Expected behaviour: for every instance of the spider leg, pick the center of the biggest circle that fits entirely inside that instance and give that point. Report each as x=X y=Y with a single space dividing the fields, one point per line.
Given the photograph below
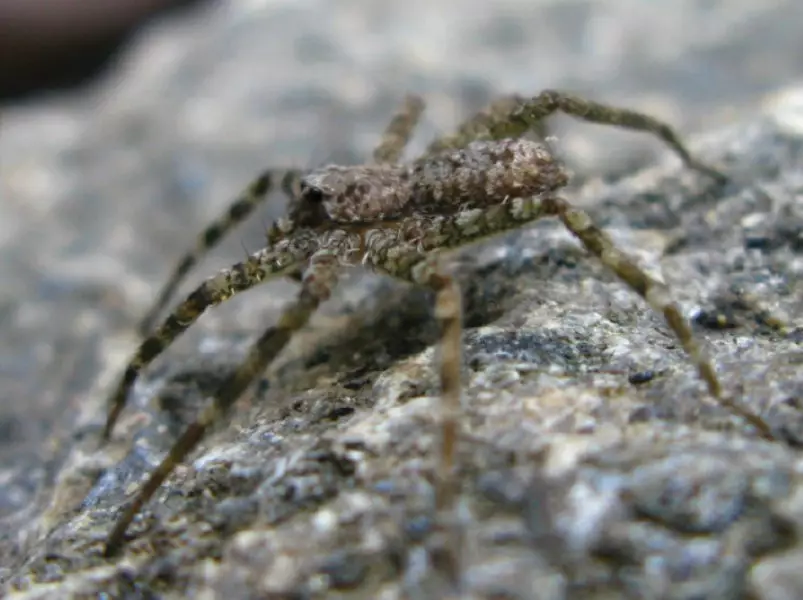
x=400 y=253
x=657 y=295
x=403 y=252
x=478 y=125
x=399 y=130
x=235 y=213
x=319 y=279
x=517 y=115
x=449 y=314
x=258 y=268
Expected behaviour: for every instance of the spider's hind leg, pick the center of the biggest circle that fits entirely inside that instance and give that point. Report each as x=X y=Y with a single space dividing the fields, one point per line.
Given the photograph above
x=319 y=279
x=239 y=209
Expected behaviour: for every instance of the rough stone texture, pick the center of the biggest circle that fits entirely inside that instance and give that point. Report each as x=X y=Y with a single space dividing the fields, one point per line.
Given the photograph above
x=593 y=464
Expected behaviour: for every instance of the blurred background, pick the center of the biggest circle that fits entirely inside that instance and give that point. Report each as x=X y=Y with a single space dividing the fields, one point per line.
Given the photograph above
x=125 y=126
x=46 y=46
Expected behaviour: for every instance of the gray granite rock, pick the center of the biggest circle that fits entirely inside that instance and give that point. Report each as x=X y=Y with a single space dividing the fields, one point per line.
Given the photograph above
x=593 y=463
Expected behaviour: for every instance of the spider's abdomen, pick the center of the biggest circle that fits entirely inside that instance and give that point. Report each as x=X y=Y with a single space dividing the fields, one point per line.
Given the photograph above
x=484 y=173
x=358 y=194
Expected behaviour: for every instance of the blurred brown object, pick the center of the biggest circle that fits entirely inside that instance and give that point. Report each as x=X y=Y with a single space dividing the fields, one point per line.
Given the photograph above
x=48 y=45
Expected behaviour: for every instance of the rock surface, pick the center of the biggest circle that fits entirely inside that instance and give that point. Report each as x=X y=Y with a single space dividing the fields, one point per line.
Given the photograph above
x=593 y=463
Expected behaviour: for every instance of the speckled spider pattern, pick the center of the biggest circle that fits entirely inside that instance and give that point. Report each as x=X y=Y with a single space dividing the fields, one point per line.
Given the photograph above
x=396 y=218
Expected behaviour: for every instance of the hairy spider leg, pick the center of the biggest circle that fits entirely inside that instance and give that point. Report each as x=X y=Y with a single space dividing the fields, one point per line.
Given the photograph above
x=476 y=127
x=242 y=206
x=399 y=131
x=260 y=267
x=513 y=116
x=449 y=314
x=319 y=278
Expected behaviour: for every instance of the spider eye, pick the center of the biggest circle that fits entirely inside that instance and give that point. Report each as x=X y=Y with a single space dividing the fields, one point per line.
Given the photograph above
x=311 y=193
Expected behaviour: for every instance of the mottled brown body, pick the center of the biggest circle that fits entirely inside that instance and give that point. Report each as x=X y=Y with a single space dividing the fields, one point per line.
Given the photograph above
x=395 y=218
x=483 y=174
x=479 y=175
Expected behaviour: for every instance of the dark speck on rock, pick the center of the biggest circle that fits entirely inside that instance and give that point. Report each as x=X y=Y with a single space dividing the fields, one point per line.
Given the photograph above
x=417 y=527
x=541 y=348
x=502 y=487
x=339 y=412
x=642 y=414
x=641 y=377
x=345 y=570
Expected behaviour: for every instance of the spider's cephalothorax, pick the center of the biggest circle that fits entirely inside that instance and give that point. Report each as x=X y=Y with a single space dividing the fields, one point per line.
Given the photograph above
x=395 y=218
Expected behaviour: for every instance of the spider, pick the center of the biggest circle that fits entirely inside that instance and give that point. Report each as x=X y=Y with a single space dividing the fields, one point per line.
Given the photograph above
x=395 y=218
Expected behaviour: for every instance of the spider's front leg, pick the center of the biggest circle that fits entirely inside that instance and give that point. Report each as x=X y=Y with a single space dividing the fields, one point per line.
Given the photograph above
x=239 y=209
x=258 y=268
x=514 y=116
x=319 y=278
